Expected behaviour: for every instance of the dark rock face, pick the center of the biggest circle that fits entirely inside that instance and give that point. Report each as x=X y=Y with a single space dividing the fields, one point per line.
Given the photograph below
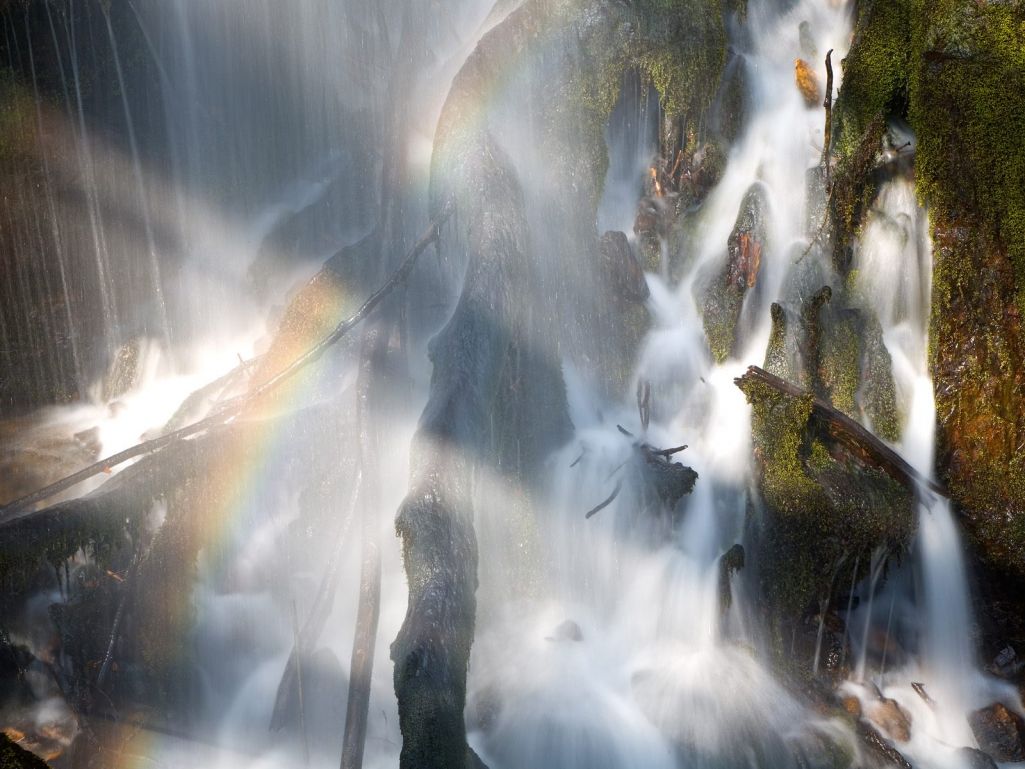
x=953 y=72
x=978 y=364
x=999 y=732
x=567 y=630
x=12 y=756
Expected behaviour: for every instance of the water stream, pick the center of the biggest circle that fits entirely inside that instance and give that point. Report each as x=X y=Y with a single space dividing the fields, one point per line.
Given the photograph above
x=613 y=647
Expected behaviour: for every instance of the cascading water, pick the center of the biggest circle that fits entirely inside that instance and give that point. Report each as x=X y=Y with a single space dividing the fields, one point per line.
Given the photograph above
x=894 y=265
x=628 y=656
x=620 y=640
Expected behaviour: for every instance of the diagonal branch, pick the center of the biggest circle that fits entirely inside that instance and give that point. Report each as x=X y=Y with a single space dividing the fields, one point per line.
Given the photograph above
x=235 y=406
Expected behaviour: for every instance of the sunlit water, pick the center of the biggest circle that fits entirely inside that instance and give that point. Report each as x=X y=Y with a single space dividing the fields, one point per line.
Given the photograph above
x=620 y=656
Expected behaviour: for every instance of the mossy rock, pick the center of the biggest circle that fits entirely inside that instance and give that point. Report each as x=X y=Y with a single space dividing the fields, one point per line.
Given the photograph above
x=956 y=72
x=723 y=299
x=13 y=756
x=822 y=504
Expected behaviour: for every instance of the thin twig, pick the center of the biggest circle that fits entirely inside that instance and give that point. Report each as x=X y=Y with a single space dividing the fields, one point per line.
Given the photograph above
x=607 y=502
x=828 y=104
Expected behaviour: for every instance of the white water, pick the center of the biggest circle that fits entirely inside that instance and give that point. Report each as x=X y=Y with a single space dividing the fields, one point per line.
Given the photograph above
x=663 y=676
x=895 y=266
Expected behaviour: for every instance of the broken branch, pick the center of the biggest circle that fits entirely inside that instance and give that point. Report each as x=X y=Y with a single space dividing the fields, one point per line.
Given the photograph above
x=607 y=502
x=236 y=405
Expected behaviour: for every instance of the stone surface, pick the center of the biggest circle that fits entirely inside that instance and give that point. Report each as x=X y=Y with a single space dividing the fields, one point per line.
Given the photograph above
x=999 y=732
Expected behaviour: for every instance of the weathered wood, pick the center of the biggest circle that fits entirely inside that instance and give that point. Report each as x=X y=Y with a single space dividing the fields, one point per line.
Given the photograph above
x=368 y=612
x=828 y=105
x=852 y=436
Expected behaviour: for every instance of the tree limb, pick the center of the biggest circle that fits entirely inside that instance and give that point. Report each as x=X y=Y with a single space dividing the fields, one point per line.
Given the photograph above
x=235 y=406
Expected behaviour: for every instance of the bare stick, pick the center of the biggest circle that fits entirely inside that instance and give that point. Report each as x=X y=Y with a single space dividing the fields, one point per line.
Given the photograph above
x=665 y=452
x=368 y=611
x=828 y=104
x=607 y=502
x=126 y=588
x=299 y=679
x=235 y=406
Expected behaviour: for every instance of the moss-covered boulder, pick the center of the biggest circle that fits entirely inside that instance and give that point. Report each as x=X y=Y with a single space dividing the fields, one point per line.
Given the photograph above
x=823 y=504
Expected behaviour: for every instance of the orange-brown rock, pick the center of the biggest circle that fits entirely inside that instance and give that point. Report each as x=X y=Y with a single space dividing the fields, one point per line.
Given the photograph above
x=891 y=718
x=807 y=82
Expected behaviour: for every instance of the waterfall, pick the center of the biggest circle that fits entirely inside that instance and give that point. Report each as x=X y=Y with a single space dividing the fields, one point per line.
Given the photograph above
x=616 y=627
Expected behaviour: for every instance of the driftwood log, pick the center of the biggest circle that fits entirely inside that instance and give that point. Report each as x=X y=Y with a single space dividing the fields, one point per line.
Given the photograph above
x=855 y=439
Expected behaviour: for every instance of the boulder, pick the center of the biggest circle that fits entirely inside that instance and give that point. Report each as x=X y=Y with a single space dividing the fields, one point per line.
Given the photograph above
x=807 y=82
x=723 y=300
x=999 y=732
x=970 y=758
x=567 y=630
x=891 y=719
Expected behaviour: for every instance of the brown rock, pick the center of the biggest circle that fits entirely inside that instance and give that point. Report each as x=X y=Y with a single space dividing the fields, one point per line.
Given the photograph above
x=999 y=732
x=807 y=82
x=852 y=705
x=892 y=719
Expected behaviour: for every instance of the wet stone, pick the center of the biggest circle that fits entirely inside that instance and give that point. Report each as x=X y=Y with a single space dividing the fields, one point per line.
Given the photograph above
x=971 y=758
x=892 y=719
x=999 y=732
x=567 y=630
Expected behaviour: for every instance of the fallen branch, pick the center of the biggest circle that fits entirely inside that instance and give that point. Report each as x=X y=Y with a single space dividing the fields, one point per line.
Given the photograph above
x=828 y=104
x=286 y=699
x=235 y=406
x=611 y=498
x=854 y=437
x=368 y=610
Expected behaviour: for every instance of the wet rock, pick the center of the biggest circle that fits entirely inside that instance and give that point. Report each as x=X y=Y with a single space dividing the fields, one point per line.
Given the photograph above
x=622 y=271
x=651 y=226
x=724 y=297
x=808 y=48
x=807 y=82
x=876 y=745
x=1007 y=663
x=777 y=356
x=567 y=630
x=971 y=758
x=34 y=454
x=817 y=195
x=123 y=371
x=852 y=705
x=670 y=481
x=730 y=563
x=891 y=718
x=999 y=732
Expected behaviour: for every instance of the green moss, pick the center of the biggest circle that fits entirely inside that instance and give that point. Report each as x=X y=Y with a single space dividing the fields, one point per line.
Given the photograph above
x=13 y=756
x=878 y=396
x=821 y=506
x=968 y=108
x=875 y=71
x=841 y=362
x=776 y=359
